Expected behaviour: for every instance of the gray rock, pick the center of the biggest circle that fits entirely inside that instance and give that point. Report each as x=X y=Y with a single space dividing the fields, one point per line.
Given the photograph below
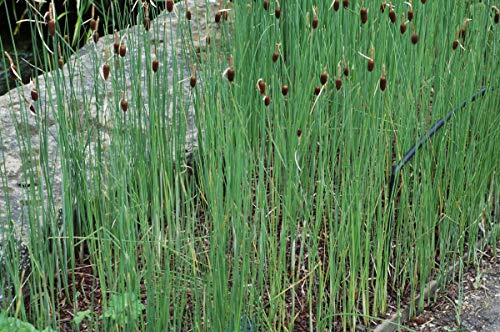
x=30 y=155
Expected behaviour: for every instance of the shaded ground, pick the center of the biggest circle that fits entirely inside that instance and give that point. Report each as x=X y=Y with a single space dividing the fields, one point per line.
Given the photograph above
x=480 y=307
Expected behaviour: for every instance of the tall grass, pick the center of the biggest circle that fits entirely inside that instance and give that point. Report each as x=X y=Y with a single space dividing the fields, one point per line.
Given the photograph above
x=282 y=221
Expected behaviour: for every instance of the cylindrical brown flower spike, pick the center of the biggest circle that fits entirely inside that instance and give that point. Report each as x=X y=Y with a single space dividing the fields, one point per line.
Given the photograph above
x=383 y=79
x=315 y=20
x=51 y=25
x=455 y=44
x=496 y=18
x=371 y=64
x=267 y=100
x=123 y=50
x=423 y=1
x=277 y=10
x=402 y=27
x=188 y=15
x=92 y=22
x=338 y=81
x=276 y=53
x=284 y=90
x=336 y=5
x=463 y=32
x=95 y=36
x=217 y=17
x=414 y=36
x=410 y=14
x=364 y=15
x=192 y=79
x=170 y=5
x=105 y=71
x=60 y=62
x=34 y=94
x=124 y=103
x=230 y=72
x=155 y=65
x=345 y=3
x=261 y=85
x=392 y=15
x=116 y=44
x=317 y=90
x=323 y=78
x=382 y=6
x=265 y=4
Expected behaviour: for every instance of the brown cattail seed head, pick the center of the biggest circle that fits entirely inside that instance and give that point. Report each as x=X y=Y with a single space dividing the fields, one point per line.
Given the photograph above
x=123 y=50
x=299 y=132
x=423 y=1
x=364 y=15
x=323 y=78
x=116 y=47
x=32 y=109
x=338 y=83
x=265 y=4
x=60 y=63
x=188 y=15
x=105 y=71
x=66 y=38
x=217 y=17
x=414 y=38
x=95 y=36
x=124 y=103
x=382 y=6
x=170 y=5
x=392 y=15
x=402 y=27
x=277 y=11
x=315 y=23
x=52 y=27
x=267 y=100
x=207 y=39
x=155 y=64
x=262 y=86
x=317 y=90
x=192 y=81
x=410 y=15
x=34 y=94
x=346 y=71
x=230 y=74
x=284 y=90
x=455 y=44
x=93 y=24
x=275 y=56
x=371 y=64
x=383 y=80
x=345 y=3
x=336 y=5
x=496 y=18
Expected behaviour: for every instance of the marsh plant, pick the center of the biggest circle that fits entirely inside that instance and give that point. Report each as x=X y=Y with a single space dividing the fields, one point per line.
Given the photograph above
x=282 y=213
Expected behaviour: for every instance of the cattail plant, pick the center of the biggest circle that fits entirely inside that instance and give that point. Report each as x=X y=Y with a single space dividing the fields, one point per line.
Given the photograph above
x=346 y=66
x=284 y=90
x=192 y=79
x=463 y=31
x=123 y=50
x=338 y=81
x=265 y=4
x=455 y=43
x=92 y=21
x=423 y=1
x=170 y=5
x=95 y=34
x=277 y=10
x=124 y=103
x=230 y=72
x=382 y=6
x=496 y=18
x=364 y=15
x=12 y=68
x=345 y=3
x=414 y=36
x=155 y=65
x=60 y=62
x=34 y=94
x=371 y=62
x=188 y=12
x=146 y=20
x=315 y=20
x=317 y=90
x=335 y=5
x=392 y=14
x=276 y=53
x=116 y=44
x=267 y=101
x=410 y=11
x=51 y=25
x=105 y=66
x=323 y=78
x=402 y=27
x=261 y=86
x=383 y=79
